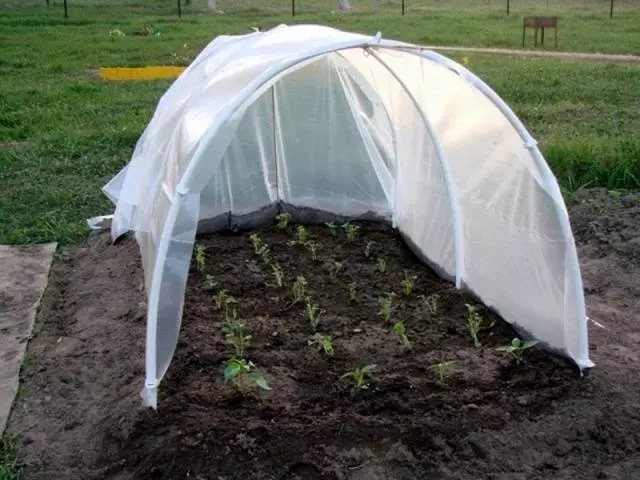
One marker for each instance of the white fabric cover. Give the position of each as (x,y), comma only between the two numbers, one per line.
(349,124)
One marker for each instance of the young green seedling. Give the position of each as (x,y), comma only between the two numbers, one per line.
(351,231)
(313,248)
(237,337)
(352,291)
(441,369)
(210,282)
(334,269)
(386,306)
(333,228)
(313,312)
(368,249)
(516,349)
(401,331)
(260,249)
(299,289)
(265,254)
(474,324)
(200,257)
(408,283)
(432,302)
(223,300)
(282,221)
(277,274)
(381,265)
(244,376)
(256,242)
(220,299)
(360,376)
(302,236)
(323,343)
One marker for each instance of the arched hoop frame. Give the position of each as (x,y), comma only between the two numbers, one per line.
(265,81)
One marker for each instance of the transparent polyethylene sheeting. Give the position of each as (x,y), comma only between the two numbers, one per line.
(315,118)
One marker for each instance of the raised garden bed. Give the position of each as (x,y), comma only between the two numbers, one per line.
(420,404)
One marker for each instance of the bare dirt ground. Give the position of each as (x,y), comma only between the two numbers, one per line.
(79,414)
(592,57)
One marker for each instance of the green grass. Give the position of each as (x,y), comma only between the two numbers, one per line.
(586,116)
(10,467)
(78,131)
(584,25)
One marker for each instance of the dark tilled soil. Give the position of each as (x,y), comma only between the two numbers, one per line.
(79,413)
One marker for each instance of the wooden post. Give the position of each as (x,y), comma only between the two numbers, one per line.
(179,8)
(508,6)
(66,12)
(611,10)
(403,7)
(293,8)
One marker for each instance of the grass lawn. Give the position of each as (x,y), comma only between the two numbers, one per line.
(65,133)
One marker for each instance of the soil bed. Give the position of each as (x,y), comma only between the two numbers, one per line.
(312,424)
(78,411)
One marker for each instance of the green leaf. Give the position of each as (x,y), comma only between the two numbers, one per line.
(529,344)
(260,380)
(233,368)
(368,368)
(506,349)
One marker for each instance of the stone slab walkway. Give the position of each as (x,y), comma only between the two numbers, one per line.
(24,271)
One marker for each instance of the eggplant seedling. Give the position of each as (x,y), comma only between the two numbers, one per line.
(223,300)
(313,248)
(210,282)
(351,231)
(302,237)
(516,349)
(386,306)
(474,324)
(441,369)
(360,376)
(236,336)
(323,343)
(256,242)
(277,274)
(401,331)
(260,249)
(334,269)
(313,312)
(408,283)
(352,291)
(244,376)
(265,254)
(200,257)
(333,228)
(432,302)
(299,289)
(282,221)
(368,249)
(381,265)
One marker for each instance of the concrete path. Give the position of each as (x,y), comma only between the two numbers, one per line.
(603,57)
(24,271)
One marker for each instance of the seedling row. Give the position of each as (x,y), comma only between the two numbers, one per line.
(247,378)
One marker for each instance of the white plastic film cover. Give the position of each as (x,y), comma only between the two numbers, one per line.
(516,251)
(313,117)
